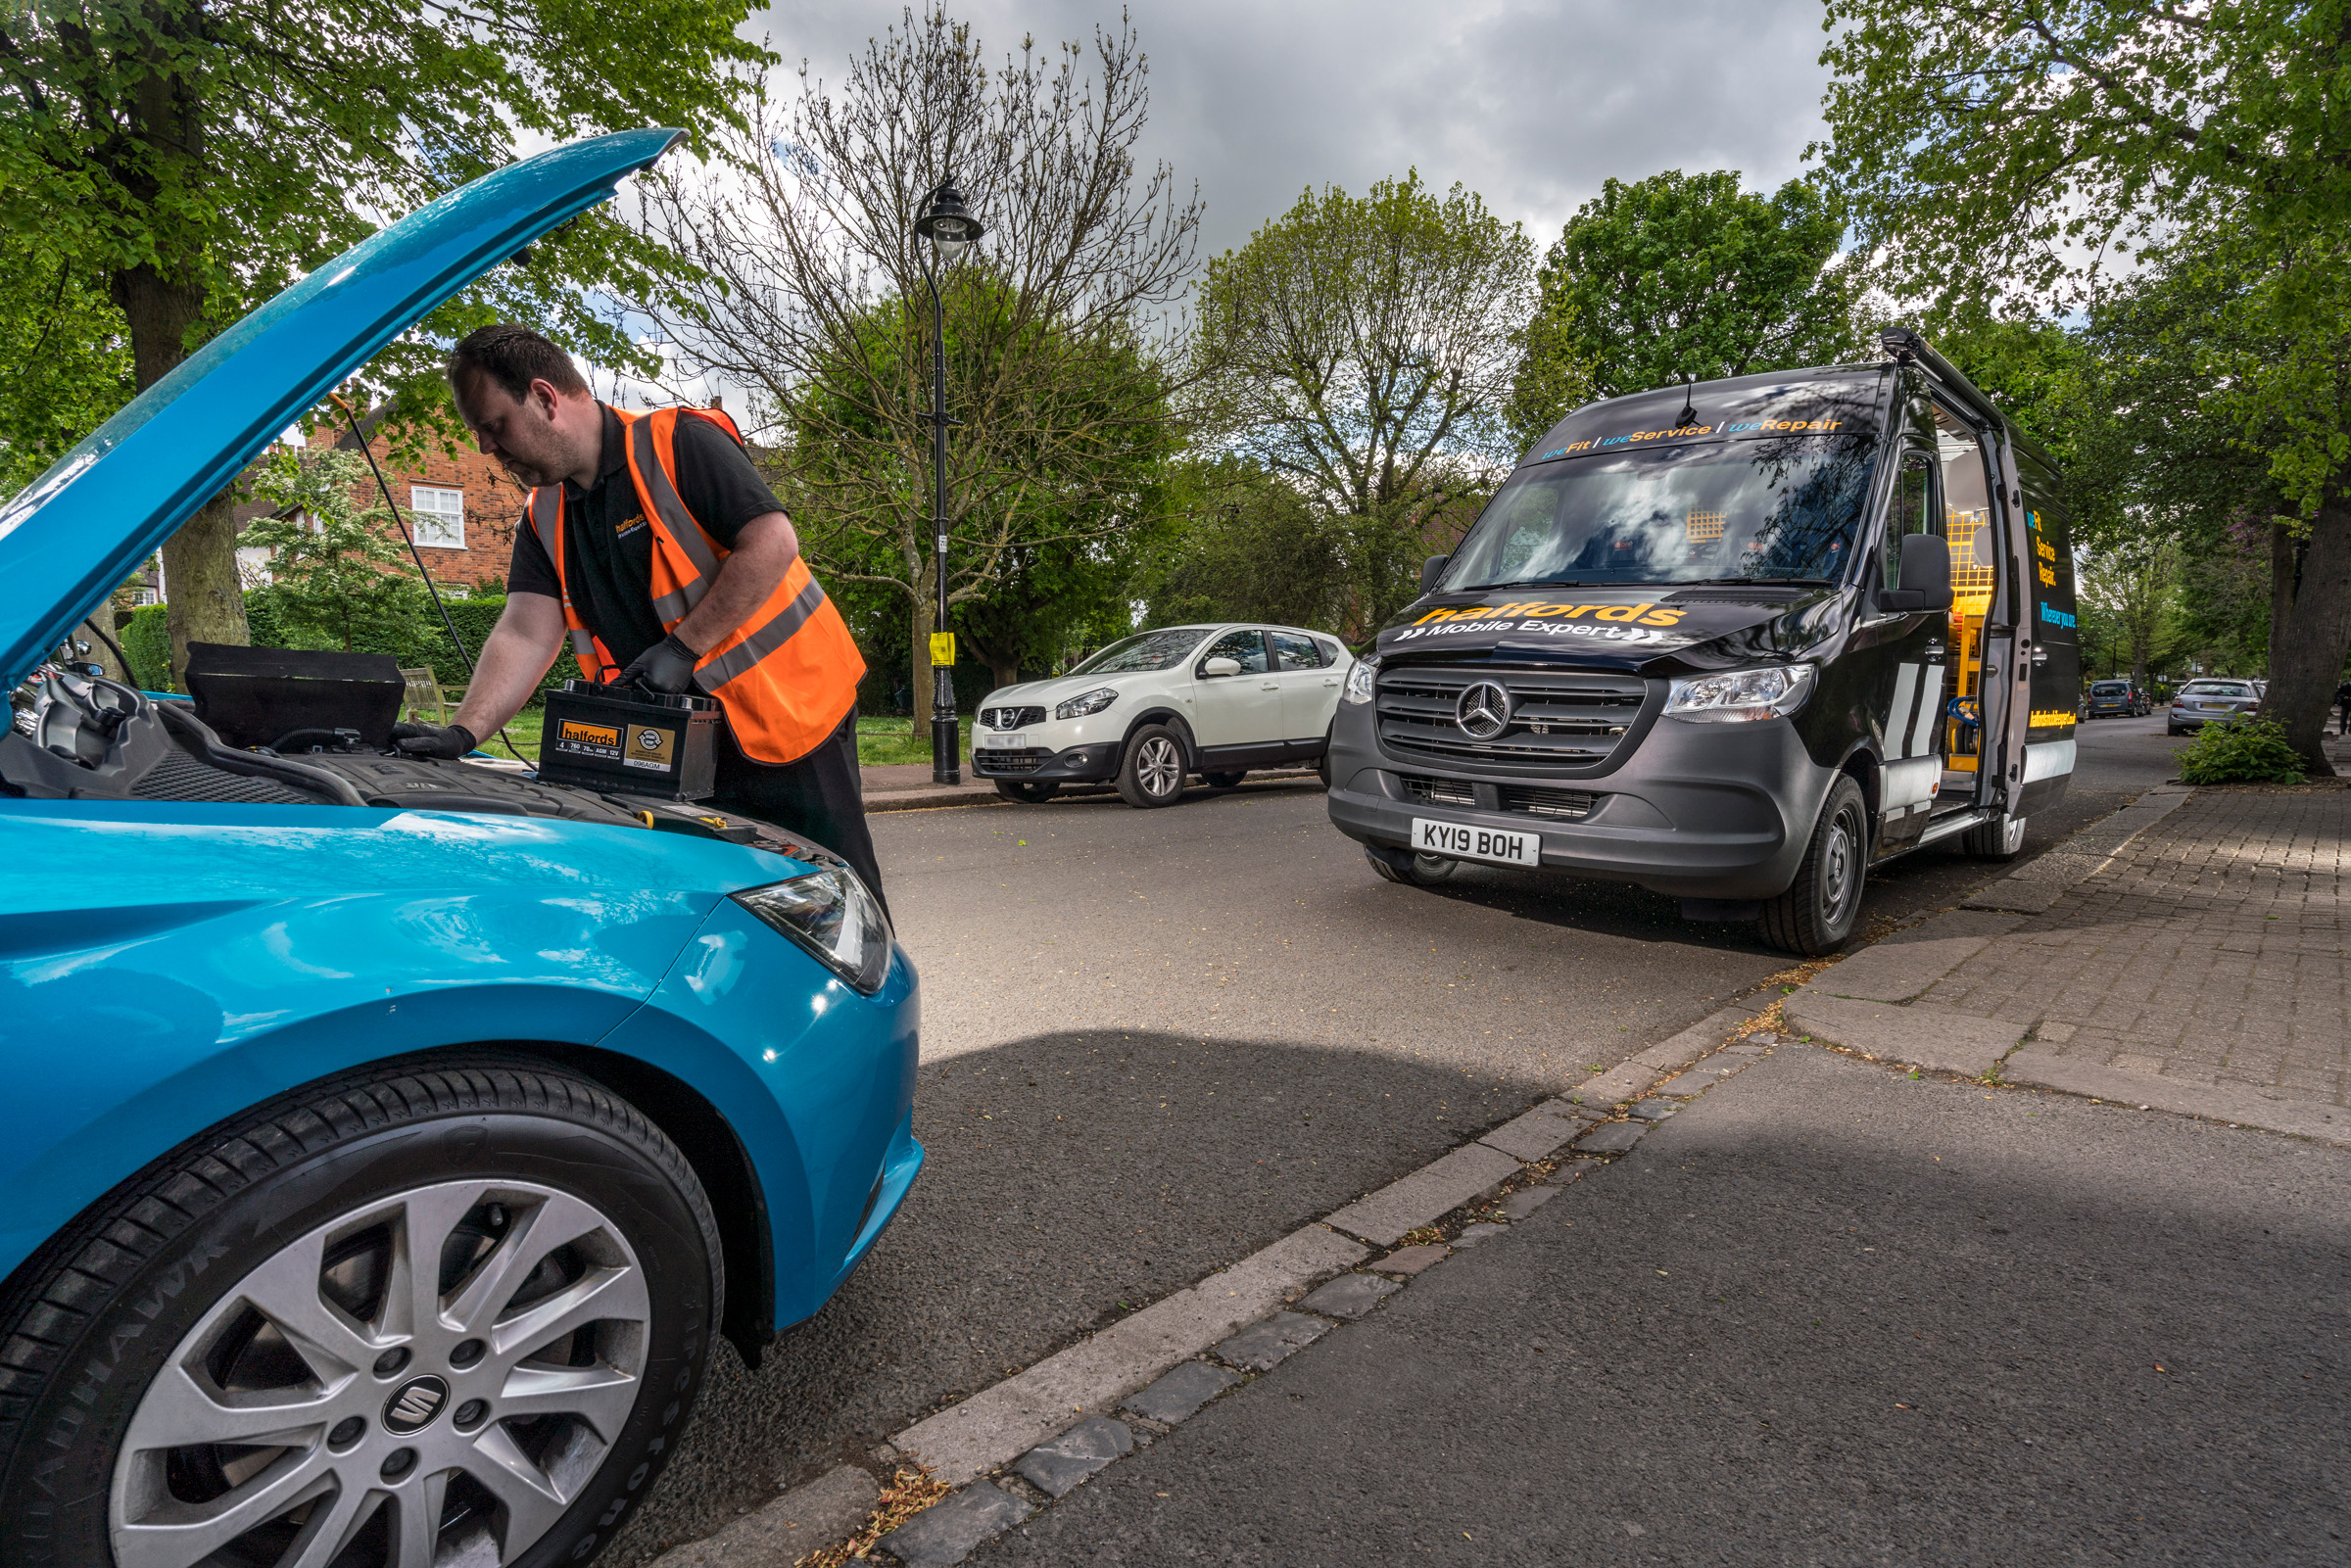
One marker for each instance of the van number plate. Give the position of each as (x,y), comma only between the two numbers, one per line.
(1476,843)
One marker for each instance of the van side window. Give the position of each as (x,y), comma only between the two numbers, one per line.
(1912,512)
(1967,506)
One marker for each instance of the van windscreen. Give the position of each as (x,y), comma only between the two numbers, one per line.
(1782,509)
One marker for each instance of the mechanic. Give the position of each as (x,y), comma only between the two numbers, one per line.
(653,540)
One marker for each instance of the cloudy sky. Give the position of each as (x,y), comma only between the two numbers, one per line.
(1530,105)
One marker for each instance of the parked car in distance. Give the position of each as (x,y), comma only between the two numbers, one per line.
(2199,702)
(1153,709)
(388,1139)
(2114,700)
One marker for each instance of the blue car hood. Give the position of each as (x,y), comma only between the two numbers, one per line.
(69,539)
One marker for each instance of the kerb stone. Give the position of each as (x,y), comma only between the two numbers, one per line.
(1351,1294)
(1533,1135)
(1056,1466)
(1261,1346)
(1441,1185)
(1182,1391)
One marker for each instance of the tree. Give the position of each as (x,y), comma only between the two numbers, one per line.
(64,358)
(1992,146)
(345,580)
(2129,589)
(188,159)
(1686,276)
(1247,547)
(812,294)
(1359,350)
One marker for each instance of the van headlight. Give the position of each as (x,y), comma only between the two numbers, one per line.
(832,915)
(1088,702)
(1771,692)
(1360,680)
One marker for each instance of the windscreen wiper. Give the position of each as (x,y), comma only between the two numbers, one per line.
(1749,582)
(1527,582)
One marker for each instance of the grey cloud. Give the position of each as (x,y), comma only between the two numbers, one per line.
(1531,105)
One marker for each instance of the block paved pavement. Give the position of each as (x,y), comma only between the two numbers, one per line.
(2210,951)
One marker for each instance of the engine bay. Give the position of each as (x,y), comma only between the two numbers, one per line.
(73,734)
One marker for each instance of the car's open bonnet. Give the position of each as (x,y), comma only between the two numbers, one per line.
(70,539)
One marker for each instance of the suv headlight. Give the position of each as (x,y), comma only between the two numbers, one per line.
(835,916)
(1094,701)
(1360,679)
(1771,692)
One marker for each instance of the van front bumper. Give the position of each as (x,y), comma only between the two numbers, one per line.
(1716,811)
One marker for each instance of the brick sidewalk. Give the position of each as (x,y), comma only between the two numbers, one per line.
(2211,951)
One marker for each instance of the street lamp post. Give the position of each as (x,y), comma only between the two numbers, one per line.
(949,229)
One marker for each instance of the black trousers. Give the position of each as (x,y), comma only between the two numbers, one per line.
(822,796)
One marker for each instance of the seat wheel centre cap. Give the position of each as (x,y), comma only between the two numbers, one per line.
(413,1405)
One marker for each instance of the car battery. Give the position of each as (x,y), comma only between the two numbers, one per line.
(624,738)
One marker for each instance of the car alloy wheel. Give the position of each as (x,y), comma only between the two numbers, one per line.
(450,1312)
(441,1368)
(1151,772)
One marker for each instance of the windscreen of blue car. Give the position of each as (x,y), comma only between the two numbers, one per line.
(1786,509)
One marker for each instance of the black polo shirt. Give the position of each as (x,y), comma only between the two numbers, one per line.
(608,546)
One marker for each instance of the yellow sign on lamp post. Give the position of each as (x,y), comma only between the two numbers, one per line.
(942,650)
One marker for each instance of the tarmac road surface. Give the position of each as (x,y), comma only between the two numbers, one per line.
(1156,1042)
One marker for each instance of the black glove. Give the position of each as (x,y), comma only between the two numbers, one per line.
(433,739)
(667,666)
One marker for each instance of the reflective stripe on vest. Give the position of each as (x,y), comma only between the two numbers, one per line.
(788,681)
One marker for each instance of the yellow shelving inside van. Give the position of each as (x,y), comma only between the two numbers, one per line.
(1974,561)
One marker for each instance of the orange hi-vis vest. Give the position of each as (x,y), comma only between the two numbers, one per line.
(789,674)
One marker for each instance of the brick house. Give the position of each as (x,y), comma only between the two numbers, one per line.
(463,510)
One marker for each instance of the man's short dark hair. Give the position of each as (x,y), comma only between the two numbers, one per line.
(514,357)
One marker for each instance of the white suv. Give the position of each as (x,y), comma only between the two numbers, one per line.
(1216,700)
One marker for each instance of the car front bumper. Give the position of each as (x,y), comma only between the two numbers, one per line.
(1085,764)
(1695,810)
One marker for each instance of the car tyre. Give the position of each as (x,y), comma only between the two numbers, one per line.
(2000,839)
(1818,910)
(1151,772)
(265,1264)
(1226,781)
(1027,795)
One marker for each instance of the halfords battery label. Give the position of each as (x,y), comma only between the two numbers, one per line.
(599,740)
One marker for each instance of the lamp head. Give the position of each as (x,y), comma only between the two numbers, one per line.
(946,223)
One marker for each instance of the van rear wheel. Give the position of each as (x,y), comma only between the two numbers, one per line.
(1820,909)
(1997,839)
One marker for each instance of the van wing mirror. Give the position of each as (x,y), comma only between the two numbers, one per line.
(1925,576)
(1432,569)
(1220,666)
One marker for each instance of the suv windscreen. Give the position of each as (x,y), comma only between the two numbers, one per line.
(1785,508)
(1146,650)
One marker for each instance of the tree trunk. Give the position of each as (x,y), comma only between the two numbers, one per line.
(200,561)
(2282,580)
(2306,656)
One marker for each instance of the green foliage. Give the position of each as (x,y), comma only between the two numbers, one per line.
(63,358)
(1686,274)
(2240,752)
(2029,365)
(1362,347)
(147,643)
(344,581)
(1251,548)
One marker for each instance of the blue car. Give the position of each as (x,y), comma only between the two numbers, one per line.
(381,1169)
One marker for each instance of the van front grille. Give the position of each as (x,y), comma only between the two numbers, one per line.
(1440,791)
(1568,805)
(1561,721)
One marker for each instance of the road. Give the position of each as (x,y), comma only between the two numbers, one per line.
(1156,1042)
(1828,1315)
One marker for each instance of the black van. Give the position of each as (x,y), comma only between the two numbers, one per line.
(1735,642)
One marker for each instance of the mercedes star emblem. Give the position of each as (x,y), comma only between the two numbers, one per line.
(1484,711)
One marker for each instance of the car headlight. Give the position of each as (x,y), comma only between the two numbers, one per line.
(1094,701)
(1771,692)
(1360,679)
(835,916)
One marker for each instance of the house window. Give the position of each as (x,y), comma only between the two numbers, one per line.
(438,515)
